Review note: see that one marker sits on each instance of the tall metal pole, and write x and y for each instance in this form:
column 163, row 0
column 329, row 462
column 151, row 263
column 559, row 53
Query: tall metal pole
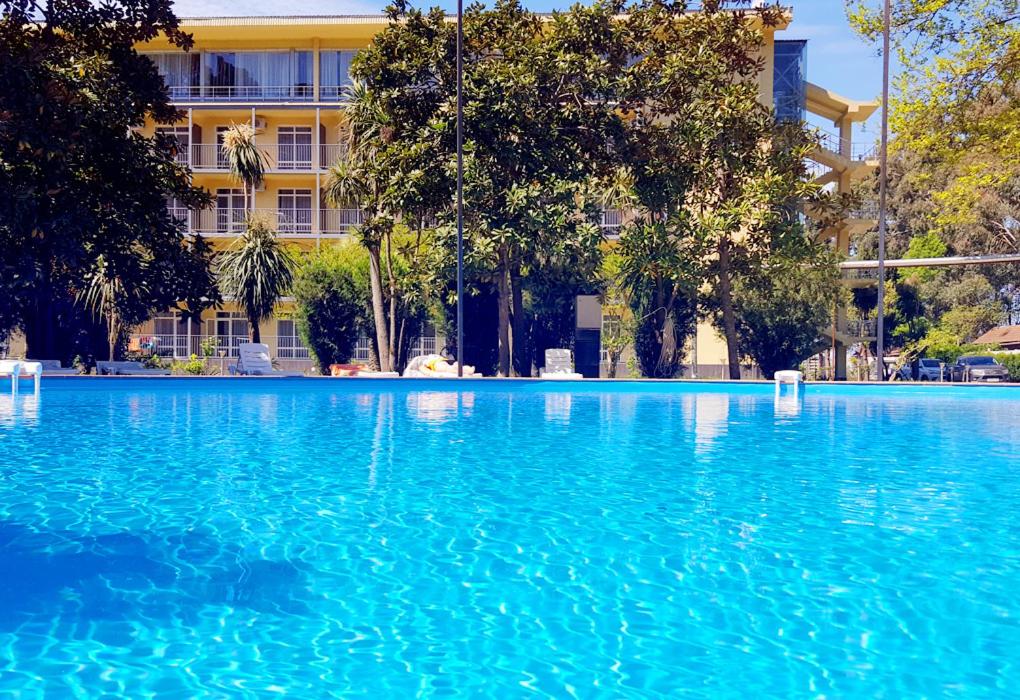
column 460, row 188
column 883, row 184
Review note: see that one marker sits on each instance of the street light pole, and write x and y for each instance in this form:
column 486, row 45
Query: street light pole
column 883, row 184
column 460, row 188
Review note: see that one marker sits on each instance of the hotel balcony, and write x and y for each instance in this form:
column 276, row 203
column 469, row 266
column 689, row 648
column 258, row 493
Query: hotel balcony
column 289, row 223
column 280, row 157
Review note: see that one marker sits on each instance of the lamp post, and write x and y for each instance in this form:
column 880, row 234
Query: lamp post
column 883, row 184
column 460, row 188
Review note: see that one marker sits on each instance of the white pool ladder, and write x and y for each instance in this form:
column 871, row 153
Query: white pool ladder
column 789, row 376
column 21, row 368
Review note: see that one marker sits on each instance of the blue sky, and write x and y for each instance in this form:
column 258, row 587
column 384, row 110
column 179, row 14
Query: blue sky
column 837, row 59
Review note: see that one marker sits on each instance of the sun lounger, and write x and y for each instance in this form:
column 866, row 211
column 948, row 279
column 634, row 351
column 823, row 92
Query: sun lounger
column 559, row 365
column 435, row 366
column 253, row 360
column 129, row 369
column 53, row 368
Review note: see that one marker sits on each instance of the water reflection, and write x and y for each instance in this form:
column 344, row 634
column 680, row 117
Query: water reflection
column 557, row 407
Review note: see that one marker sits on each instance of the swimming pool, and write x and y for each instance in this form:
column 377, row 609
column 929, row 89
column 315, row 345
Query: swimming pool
column 317, row 538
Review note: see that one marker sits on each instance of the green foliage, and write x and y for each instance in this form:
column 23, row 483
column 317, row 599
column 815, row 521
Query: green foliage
column 537, row 102
column 1010, row 361
column 955, row 104
column 194, row 365
column 330, row 288
column 255, row 272
column 247, row 164
column 658, row 272
column 618, row 331
column 969, row 322
column 80, row 184
column 927, row 245
column 783, row 307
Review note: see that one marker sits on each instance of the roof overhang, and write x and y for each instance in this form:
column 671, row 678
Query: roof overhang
column 828, row 104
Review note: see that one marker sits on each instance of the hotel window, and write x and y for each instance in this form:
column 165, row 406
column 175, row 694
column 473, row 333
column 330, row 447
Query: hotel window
column 180, row 72
column 181, row 140
column 231, row 210
column 230, row 328
column 295, row 211
column 288, row 341
column 295, row 148
column 258, row 75
column 334, row 73
column 789, row 77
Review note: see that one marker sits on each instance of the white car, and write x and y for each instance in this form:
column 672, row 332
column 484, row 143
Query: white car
column 929, row 370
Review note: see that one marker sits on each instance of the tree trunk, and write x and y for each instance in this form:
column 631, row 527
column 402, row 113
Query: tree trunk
column 112, row 335
column 400, row 360
column 378, row 309
column 521, row 364
column 254, row 332
column 726, row 306
column 503, row 303
column 394, row 349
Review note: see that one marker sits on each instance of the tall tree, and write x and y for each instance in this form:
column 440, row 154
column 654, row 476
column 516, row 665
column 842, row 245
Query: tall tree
column 711, row 169
column 359, row 179
column 783, row 305
column 80, row 183
column 256, row 271
column 534, row 111
column 956, row 100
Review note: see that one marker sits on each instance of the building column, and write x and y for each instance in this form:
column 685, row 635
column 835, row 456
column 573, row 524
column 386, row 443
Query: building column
column 316, row 46
column 846, row 135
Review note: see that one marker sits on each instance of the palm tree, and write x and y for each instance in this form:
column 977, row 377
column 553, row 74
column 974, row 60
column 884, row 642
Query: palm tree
column 355, row 181
column 256, row 272
column 246, row 162
column 109, row 298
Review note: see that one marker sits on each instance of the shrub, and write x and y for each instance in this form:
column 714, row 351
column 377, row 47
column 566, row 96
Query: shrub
column 331, row 301
column 193, row 365
column 1012, row 362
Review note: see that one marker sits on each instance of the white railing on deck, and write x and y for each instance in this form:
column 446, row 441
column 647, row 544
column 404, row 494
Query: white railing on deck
column 243, row 93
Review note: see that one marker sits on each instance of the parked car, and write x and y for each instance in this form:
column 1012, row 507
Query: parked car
column 978, row 368
column 929, row 370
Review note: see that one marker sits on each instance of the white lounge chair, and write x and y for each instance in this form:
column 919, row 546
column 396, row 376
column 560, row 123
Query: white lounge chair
column 559, row 365
column 53, row 368
column 127, row 368
column 253, row 360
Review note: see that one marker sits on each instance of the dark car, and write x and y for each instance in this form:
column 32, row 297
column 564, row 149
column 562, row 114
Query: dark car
column 978, row 368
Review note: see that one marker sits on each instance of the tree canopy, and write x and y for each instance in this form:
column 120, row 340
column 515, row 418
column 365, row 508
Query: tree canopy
column 85, row 193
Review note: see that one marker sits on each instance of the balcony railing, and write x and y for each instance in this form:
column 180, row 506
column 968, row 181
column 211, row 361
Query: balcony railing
column 340, row 221
column 837, row 144
column 232, row 221
column 181, row 345
column 867, row 210
column 861, row 328
column 241, row 93
column 869, row 274
column 611, row 222
column 280, row 157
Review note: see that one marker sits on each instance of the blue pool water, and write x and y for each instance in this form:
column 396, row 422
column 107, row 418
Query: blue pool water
column 316, row 538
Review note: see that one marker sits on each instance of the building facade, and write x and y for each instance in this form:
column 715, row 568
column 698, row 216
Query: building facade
column 285, row 76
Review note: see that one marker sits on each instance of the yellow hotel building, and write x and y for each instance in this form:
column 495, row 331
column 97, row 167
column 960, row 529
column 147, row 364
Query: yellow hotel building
column 286, row 75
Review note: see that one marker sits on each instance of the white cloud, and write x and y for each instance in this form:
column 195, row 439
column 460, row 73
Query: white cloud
column 231, row 8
